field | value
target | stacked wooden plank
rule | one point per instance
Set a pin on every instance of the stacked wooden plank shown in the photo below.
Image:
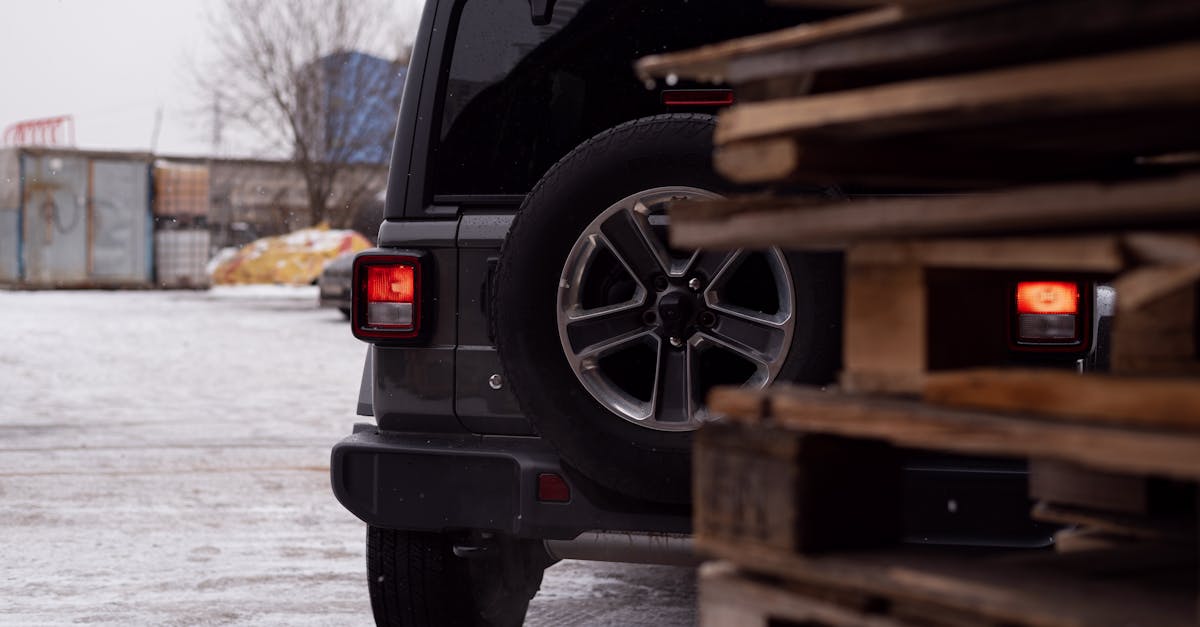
(1058, 137)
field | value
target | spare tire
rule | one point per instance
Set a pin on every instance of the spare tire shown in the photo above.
(610, 338)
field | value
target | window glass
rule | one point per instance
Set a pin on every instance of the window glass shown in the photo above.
(519, 96)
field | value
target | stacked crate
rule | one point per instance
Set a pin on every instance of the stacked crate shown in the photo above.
(182, 242)
(1060, 136)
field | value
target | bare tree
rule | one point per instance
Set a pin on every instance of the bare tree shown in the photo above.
(292, 71)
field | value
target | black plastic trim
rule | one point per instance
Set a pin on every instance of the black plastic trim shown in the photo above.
(418, 233)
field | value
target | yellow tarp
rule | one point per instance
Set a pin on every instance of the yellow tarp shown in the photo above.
(296, 258)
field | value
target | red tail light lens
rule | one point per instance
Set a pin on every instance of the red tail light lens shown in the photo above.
(390, 284)
(387, 296)
(1047, 312)
(1047, 297)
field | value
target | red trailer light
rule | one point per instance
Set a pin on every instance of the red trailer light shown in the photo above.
(387, 295)
(1047, 312)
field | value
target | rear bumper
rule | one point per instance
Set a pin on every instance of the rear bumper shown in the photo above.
(439, 482)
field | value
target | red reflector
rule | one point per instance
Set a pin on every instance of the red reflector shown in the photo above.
(553, 488)
(390, 284)
(694, 97)
(1047, 297)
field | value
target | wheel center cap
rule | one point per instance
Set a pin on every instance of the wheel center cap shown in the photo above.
(677, 311)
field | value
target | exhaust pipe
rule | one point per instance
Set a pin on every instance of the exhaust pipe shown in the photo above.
(672, 549)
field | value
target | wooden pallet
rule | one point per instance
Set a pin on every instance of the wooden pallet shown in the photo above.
(957, 94)
(1077, 120)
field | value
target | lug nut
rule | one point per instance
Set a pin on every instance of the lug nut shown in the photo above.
(661, 283)
(694, 283)
(676, 342)
(706, 319)
(649, 317)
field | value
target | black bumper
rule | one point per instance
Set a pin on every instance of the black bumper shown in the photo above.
(438, 482)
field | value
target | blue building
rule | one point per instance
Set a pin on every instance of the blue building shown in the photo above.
(361, 95)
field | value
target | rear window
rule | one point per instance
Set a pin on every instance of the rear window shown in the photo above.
(517, 96)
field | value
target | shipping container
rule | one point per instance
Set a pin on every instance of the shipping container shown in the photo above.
(181, 257)
(10, 216)
(71, 218)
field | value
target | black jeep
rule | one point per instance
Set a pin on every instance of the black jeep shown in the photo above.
(539, 353)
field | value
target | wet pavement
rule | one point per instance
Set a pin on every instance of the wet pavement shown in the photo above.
(164, 460)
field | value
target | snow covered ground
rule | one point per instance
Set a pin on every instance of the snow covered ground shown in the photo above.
(164, 460)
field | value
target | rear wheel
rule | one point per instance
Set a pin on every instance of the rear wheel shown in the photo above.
(416, 578)
(611, 338)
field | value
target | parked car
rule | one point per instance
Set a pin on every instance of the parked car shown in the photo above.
(334, 283)
(539, 354)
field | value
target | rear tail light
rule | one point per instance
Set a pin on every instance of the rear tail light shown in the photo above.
(1048, 312)
(387, 296)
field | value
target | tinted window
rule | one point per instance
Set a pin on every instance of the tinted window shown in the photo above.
(519, 96)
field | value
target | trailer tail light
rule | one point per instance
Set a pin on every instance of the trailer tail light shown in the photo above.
(1048, 312)
(387, 296)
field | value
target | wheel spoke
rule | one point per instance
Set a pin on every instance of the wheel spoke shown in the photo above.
(756, 337)
(601, 330)
(712, 264)
(673, 401)
(630, 238)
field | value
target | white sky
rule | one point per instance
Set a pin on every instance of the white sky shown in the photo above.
(112, 64)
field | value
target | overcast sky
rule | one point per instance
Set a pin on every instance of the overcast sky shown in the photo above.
(112, 64)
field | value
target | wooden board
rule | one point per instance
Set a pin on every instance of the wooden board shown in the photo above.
(1093, 399)
(917, 425)
(1173, 530)
(934, 38)
(1042, 208)
(1082, 253)
(1065, 484)
(787, 490)
(884, 333)
(1158, 336)
(1154, 78)
(728, 598)
(950, 164)
(708, 63)
(1032, 588)
(1008, 34)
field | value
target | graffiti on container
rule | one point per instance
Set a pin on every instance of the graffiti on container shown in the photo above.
(54, 218)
